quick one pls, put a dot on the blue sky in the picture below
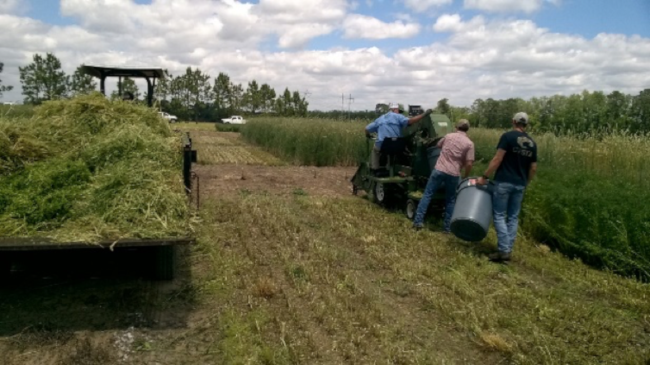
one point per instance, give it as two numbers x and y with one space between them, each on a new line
459 49
583 17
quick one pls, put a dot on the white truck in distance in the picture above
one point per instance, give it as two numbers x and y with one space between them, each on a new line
171 118
235 119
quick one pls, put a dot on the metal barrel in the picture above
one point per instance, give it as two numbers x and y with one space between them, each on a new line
473 210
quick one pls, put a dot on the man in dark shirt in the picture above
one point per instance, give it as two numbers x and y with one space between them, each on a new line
516 164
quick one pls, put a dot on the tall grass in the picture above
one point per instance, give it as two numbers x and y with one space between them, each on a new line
314 142
16 111
588 201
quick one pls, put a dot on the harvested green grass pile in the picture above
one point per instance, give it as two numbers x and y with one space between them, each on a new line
89 169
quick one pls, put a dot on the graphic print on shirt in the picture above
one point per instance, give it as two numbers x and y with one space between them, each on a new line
525 146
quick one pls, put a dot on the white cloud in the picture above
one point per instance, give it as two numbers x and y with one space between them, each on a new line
526 6
422 5
448 23
14 6
362 26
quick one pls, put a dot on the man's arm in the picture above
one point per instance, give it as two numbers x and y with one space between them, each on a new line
440 142
494 165
469 160
532 171
417 118
468 168
371 128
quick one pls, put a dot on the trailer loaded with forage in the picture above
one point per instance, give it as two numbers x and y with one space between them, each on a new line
90 173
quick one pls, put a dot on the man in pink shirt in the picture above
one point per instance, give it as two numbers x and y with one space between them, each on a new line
457 151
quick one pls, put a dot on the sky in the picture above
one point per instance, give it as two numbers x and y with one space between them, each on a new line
348 54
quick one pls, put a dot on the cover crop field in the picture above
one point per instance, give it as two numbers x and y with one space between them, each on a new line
588 199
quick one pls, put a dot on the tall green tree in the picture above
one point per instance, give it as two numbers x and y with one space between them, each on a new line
253 97
221 93
284 104
4 88
268 97
299 104
194 92
443 107
81 83
161 91
641 112
236 98
43 79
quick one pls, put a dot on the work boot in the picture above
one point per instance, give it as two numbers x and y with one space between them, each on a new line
499 256
418 226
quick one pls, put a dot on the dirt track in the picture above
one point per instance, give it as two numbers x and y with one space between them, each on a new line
217 180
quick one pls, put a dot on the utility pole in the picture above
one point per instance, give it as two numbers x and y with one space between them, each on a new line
342 103
349 101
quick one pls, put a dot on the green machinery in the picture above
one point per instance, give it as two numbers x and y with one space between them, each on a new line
407 162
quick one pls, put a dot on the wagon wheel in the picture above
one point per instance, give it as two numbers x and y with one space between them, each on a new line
380 193
411 209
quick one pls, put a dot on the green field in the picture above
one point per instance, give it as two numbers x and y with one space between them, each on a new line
314 142
588 200
287 271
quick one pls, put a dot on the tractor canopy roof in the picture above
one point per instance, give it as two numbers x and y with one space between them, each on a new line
148 73
104 71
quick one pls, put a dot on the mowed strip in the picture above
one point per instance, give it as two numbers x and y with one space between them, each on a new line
303 276
331 280
214 148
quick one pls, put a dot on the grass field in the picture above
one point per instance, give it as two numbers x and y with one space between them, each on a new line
225 148
588 200
307 278
309 141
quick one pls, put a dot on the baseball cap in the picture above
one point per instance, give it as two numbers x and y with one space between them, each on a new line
521 117
393 106
462 122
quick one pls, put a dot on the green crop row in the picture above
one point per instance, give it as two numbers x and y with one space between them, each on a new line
588 200
314 142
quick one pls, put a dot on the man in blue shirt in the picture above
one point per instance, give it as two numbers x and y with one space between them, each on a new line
389 125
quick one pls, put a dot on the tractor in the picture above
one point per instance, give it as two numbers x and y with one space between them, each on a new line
406 164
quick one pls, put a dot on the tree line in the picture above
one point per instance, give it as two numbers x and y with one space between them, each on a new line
190 96
194 95
582 113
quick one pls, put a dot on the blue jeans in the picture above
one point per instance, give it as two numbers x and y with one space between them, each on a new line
506 201
437 178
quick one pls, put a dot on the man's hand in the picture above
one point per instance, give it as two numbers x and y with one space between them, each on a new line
481 181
